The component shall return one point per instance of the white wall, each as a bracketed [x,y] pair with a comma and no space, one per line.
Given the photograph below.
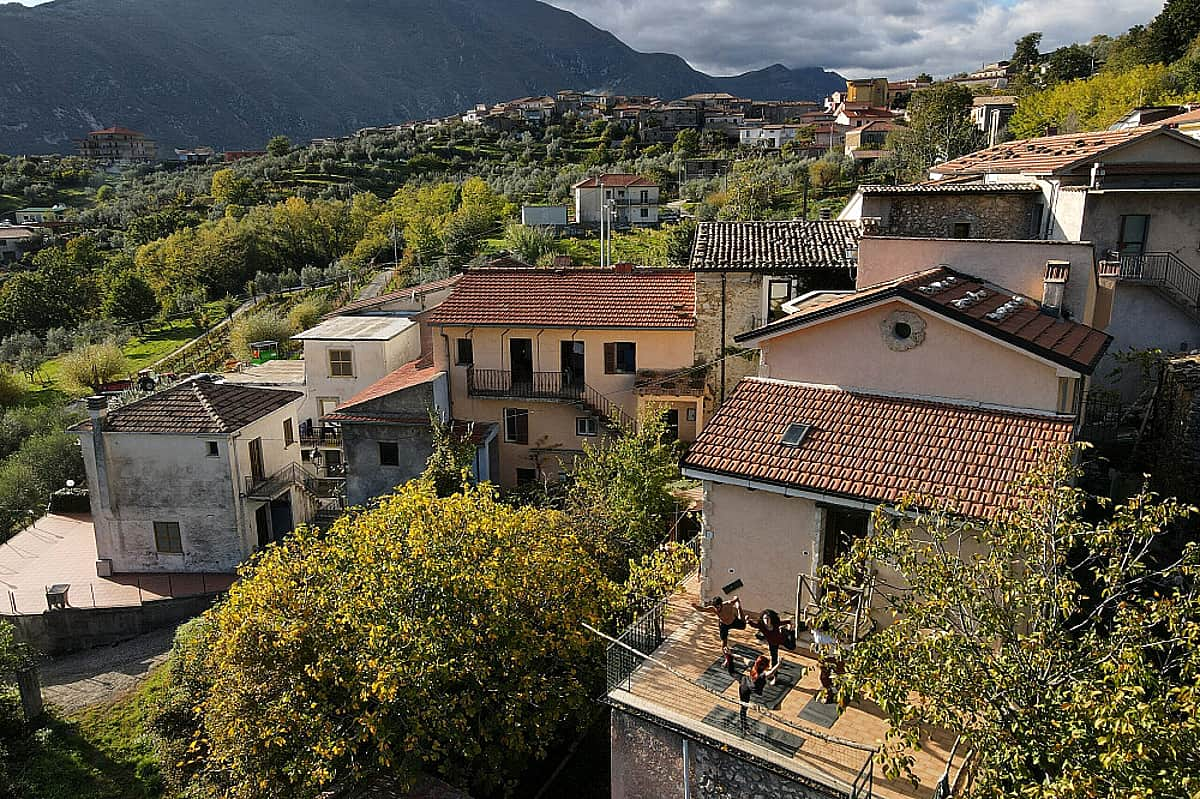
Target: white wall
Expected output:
[373,360]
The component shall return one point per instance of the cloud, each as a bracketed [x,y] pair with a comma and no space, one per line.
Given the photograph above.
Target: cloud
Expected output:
[856,37]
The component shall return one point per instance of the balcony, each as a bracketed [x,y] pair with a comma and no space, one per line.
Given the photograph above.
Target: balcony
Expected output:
[294,474]
[501,384]
[667,667]
[1163,269]
[320,436]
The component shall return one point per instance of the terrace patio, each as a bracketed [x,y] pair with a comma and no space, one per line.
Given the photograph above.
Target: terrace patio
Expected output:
[683,687]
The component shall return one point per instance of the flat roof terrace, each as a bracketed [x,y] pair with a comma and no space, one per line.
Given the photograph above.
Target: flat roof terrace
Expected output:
[683,686]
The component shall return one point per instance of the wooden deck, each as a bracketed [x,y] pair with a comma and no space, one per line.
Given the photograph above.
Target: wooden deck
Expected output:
[672,687]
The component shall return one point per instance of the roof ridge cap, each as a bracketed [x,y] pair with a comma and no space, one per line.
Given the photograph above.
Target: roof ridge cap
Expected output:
[197,389]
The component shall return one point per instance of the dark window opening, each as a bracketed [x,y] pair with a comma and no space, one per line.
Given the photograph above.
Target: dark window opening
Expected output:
[586,426]
[962,230]
[795,434]
[620,358]
[167,539]
[289,433]
[466,352]
[842,527]
[526,476]
[1133,234]
[389,453]
[213,449]
[516,425]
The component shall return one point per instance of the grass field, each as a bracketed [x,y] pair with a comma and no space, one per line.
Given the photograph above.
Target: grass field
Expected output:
[101,753]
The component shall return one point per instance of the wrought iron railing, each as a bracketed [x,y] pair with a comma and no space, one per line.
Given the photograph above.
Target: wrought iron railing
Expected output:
[645,635]
[294,474]
[1104,417]
[864,783]
[329,436]
[1163,268]
[562,386]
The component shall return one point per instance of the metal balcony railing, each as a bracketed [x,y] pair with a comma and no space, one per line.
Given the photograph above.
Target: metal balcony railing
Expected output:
[1160,268]
[559,386]
[294,474]
[326,436]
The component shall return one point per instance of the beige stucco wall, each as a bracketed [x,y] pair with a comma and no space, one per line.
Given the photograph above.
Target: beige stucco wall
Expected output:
[373,360]
[852,352]
[764,539]
[1019,266]
[171,478]
[552,423]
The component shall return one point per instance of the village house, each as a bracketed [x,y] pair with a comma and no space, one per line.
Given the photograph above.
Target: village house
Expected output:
[771,137]
[746,271]
[16,241]
[38,216]
[869,142]
[871,92]
[661,124]
[118,145]
[853,115]
[937,384]
[559,357]
[990,113]
[1187,123]
[630,199]
[195,478]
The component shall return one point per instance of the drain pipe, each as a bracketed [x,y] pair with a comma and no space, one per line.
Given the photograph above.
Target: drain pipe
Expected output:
[687,791]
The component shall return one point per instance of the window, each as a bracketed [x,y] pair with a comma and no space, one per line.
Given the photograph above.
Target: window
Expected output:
[1133,234]
[213,449]
[516,425]
[778,292]
[586,426]
[795,434]
[526,476]
[166,538]
[327,405]
[961,230]
[465,355]
[289,433]
[341,363]
[645,213]
[620,358]
[1038,210]
[645,196]
[389,453]
[1069,395]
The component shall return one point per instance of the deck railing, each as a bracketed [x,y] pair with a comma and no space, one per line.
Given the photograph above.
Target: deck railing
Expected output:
[561,386]
[1162,268]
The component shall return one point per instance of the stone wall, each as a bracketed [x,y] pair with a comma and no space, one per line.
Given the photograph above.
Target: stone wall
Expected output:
[647,763]
[1174,446]
[742,313]
[995,216]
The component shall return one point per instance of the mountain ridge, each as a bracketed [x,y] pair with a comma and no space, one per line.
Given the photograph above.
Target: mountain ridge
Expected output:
[189,74]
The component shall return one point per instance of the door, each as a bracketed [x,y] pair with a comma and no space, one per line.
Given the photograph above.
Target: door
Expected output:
[262,524]
[258,471]
[572,366]
[281,517]
[520,361]
[842,527]
[671,420]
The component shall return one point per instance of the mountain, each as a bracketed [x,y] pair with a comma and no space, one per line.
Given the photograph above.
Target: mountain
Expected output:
[232,73]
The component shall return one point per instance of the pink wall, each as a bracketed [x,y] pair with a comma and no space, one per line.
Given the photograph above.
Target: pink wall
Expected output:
[952,362]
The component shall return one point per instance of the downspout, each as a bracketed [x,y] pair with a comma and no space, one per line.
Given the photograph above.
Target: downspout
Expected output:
[721,351]
[239,497]
[687,791]
[1054,187]
[449,374]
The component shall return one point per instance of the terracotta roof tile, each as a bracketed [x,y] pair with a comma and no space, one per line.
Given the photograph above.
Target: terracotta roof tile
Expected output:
[1047,154]
[392,296]
[196,407]
[990,309]
[766,246]
[951,188]
[1186,118]
[413,373]
[875,448]
[586,297]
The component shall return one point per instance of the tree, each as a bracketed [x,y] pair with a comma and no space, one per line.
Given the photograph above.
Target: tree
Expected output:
[86,369]
[529,243]
[432,634]
[131,300]
[12,389]
[250,328]
[1068,63]
[279,146]
[939,130]
[1173,30]
[1063,651]
[229,188]
[687,142]
[619,492]
[306,314]
[1026,55]
[680,240]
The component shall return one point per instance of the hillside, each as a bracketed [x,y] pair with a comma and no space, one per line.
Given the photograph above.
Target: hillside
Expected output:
[191,73]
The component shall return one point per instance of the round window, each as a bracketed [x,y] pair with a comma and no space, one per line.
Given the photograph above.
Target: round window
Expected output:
[902,330]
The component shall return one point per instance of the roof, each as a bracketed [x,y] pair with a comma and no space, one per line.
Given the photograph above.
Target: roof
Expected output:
[766,246]
[7,232]
[571,298]
[1186,118]
[410,292]
[997,99]
[951,188]
[876,124]
[357,328]
[878,113]
[985,307]
[270,373]
[1050,154]
[875,448]
[116,131]
[614,181]
[413,373]
[196,407]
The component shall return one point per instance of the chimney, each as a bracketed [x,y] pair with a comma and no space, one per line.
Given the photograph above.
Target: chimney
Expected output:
[871,225]
[623,268]
[1054,286]
[97,408]
[1052,130]
[825,214]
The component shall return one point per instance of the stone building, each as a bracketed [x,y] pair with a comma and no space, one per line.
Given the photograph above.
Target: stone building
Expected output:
[972,211]
[1172,444]
[746,272]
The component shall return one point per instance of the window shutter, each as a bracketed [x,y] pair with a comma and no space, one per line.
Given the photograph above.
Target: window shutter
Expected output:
[610,359]
[523,427]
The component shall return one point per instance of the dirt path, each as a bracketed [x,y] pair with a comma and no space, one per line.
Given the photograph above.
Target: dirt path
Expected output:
[74,682]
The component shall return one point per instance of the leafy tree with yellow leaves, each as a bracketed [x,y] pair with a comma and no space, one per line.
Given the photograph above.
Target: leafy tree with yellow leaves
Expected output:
[436,635]
[1064,652]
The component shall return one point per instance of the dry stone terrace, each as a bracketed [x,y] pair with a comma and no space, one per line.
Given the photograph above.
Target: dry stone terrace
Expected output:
[683,688]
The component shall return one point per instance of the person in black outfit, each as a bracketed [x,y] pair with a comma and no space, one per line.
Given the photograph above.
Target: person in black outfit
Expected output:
[774,632]
[754,682]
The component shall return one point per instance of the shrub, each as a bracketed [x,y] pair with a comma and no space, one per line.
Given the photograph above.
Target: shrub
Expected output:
[249,328]
[85,369]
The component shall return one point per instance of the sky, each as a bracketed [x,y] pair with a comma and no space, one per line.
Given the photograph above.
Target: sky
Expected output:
[858,38]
